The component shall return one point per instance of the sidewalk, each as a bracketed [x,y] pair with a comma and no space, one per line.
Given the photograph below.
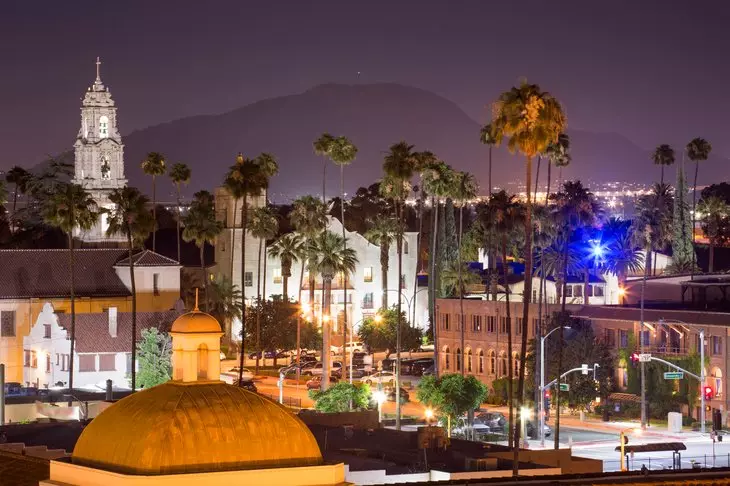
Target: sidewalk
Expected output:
[616,427]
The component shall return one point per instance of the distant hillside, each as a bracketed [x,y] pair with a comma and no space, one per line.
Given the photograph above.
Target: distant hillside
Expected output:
[374,117]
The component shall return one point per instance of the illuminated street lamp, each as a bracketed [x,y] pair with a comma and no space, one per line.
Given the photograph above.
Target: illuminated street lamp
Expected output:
[542,383]
[379,396]
[429,415]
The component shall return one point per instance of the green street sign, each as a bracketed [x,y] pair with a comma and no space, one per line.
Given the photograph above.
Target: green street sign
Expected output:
[564,387]
[673,375]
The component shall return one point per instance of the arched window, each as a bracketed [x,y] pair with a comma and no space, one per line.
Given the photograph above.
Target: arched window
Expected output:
[467,357]
[502,364]
[202,362]
[516,362]
[105,168]
[447,358]
[458,359]
[103,126]
[480,356]
[492,362]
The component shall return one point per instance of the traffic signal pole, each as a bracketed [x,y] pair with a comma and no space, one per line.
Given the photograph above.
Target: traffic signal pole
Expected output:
[702,380]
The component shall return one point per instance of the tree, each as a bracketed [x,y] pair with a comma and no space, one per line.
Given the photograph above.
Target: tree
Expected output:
[69,209]
[322,147]
[247,179]
[155,358]
[623,258]
[289,248]
[342,397]
[277,330]
[153,166]
[180,174]
[129,216]
[225,301]
[531,120]
[452,395]
[697,150]
[557,153]
[714,217]
[662,156]
[309,218]
[683,252]
[489,137]
[381,334]
[20,178]
[264,226]
[202,227]
[382,233]
[456,281]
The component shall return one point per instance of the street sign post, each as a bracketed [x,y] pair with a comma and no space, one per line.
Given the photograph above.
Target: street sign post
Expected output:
[673,375]
[564,387]
[644,357]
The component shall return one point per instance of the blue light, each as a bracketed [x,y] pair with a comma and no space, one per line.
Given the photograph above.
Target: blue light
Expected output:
[597,250]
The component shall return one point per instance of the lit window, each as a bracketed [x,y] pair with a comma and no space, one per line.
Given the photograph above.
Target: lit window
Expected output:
[277,276]
[367,301]
[368,274]
[103,127]
[248,279]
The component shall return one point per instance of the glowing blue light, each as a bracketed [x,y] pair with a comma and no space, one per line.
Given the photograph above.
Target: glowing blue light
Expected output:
[597,250]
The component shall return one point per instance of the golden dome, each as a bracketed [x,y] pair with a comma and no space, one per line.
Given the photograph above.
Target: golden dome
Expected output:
[196,322]
[177,428]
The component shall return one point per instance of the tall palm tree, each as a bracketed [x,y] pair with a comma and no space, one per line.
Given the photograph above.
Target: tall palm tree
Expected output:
[20,177]
[531,119]
[557,153]
[490,137]
[288,248]
[247,179]
[713,213]
[697,150]
[399,165]
[202,227]
[131,217]
[180,174]
[382,233]
[624,258]
[236,190]
[332,259]
[264,226]
[465,189]
[225,301]
[322,147]
[309,218]
[153,166]
[342,152]
[423,161]
[69,209]
[662,156]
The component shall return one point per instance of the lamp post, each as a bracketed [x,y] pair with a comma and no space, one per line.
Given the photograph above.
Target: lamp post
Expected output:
[624,439]
[409,302]
[542,384]
[379,397]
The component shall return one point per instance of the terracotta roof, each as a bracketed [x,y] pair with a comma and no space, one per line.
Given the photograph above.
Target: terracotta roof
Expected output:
[92,330]
[148,258]
[21,470]
[44,273]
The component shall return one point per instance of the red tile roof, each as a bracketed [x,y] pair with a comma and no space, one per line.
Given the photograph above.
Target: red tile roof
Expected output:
[148,258]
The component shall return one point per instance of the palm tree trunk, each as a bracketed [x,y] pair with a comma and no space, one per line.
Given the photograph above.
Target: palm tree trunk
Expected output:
[73,312]
[461,289]
[324,178]
[432,279]
[134,310]
[154,214]
[326,354]
[537,177]
[712,255]
[694,207]
[641,340]
[510,384]
[398,331]
[301,281]
[586,285]
[286,284]
[547,187]
[419,261]
[244,217]
[525,313]
[204,276]
[258,308]
[177,186]
[384,264]
[344,273]
[564,271]
[233,241]
[491,187]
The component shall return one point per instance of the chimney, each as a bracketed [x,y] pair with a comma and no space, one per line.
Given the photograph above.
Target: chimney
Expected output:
[113,322]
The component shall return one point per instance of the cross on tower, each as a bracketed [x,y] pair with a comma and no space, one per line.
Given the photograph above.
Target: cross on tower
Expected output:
[98,75]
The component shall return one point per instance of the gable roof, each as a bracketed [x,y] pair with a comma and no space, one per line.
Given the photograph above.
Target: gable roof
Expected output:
[92,330]
[45,273]
[148,258]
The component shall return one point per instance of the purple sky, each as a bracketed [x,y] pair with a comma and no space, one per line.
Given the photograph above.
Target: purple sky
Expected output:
[654,71]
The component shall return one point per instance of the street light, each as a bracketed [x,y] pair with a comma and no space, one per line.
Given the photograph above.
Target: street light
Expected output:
[542,383]
[624,440]
[429,415]
[379,397]
[377,319]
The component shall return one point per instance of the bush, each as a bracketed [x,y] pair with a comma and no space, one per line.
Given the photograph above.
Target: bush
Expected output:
[338,398]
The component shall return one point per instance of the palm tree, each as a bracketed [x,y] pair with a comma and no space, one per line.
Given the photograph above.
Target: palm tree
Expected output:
[465,189]
[247,179]
[225,301]
[713,213]
[322,147]
[399,165]
[69,209]
[662,156]
[289,248]
[531,119]
[423,161]
[264,226]
[382,233]
[698,149]
[309,218]
[557,153]
[624,258]
[202,227]
[131,217]
[20,177]
[180,174]
[332,259]
[458,280]
[490,137]
[154,165]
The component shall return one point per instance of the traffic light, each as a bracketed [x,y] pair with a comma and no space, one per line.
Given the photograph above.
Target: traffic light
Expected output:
[547,393]
[626,440]
[709,393]
[635,359]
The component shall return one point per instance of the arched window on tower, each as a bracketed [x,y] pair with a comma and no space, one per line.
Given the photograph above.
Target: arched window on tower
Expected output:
[103,126]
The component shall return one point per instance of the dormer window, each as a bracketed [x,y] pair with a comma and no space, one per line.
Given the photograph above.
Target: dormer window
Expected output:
[104,127]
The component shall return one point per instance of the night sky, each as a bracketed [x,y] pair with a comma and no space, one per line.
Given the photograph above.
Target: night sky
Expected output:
[654,71]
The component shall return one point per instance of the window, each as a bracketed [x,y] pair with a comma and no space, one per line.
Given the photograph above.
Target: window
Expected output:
[156,283]
[503,325]
[107,362]
[491,323]
[447,358]
[129,363]
[534,295]
[476,323]
[645,338]
[492,362]
[610,337]
[623,338]
[597,290]
[458,359]
[468,361]
[405,247]
[87,362]
[569,291]
[64,362]
[535,326]
[202,362]
[46,331]
[104,168]
[26,358]
[518,322]
[716,345]
[277,276]
[367,301]
[480,356]
[58,359]
[248,279]
[502,364]
[445,325]
[516,363]
[48,363]
[103,127]
[7,324]
[368,274]
[577,291]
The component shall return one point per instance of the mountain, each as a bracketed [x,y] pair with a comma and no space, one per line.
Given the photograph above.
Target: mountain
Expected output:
[373,116]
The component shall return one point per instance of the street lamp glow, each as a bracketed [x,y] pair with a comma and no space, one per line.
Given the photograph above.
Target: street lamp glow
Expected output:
[325,318]
[379,396]
[526,413]
[621,291]
[306,308]
[378,318]
[429,414]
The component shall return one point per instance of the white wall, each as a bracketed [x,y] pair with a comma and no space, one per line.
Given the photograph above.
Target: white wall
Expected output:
[168,281]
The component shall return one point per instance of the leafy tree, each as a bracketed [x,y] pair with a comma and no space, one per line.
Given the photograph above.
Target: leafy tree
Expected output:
[452,395]
[456,281]
[339,397]
[663,156]
[382,233]
[154,166]
[180,174]
[129,216]
[289,248]
[382,335]
[715,220]
[202,227]
[557,153]
[155,358]
[277,325]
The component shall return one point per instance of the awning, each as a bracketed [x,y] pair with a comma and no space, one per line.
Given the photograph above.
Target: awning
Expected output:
[658,447]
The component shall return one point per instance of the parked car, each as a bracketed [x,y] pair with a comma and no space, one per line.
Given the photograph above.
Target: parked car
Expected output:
[231,375]
[350,347]
[304,358]
[13,389]
[404,396]
[357,373]
[460,427]
[419,366]
[248,385]
[496,421]
[316,368]
[316,382]
[270,354]
[381,377]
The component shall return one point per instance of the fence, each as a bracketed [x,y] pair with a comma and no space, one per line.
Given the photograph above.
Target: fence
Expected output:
[665,463]
[291,402]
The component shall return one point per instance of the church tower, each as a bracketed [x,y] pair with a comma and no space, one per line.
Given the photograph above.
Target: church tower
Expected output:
[99,155]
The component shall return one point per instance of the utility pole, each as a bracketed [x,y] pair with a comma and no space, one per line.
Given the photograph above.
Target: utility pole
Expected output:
[702,380]
[2,394]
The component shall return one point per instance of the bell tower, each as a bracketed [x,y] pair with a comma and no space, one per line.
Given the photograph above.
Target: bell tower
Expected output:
[99,154]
